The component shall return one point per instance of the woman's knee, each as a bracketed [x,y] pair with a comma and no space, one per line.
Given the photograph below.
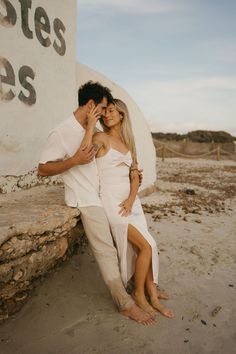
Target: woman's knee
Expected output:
[145,247]
[138,240]
[153,244]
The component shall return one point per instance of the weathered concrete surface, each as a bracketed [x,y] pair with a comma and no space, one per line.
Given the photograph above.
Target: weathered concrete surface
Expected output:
[28,180]
[37,230]
[33,211]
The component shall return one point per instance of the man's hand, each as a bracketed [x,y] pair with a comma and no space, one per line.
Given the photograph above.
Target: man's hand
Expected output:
[83,155]
[140,175]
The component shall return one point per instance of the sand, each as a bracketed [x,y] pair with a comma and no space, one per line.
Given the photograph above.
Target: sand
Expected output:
[193,219]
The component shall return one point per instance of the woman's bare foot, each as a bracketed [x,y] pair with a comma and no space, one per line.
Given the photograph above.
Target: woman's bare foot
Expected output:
[161,308]
[162,294]
[136,314]
[154,291]
[142,302]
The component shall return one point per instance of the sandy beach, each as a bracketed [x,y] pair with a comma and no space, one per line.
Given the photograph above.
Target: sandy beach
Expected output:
[192,217]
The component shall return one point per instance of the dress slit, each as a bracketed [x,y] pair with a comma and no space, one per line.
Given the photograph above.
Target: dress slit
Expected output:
[127,254]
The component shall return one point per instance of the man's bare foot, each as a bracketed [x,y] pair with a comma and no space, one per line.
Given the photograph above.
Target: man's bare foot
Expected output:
[161,308]
[142,302]
[136,314]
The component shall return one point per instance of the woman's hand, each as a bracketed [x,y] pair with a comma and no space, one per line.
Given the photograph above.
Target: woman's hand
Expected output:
[126,207]
[92,117]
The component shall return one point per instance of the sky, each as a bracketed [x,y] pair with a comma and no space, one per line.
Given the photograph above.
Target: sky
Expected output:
[176,58]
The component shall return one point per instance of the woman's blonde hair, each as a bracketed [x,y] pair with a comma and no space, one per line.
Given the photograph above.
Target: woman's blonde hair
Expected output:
[127,135]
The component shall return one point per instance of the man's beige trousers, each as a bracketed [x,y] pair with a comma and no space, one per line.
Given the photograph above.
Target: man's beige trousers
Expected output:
[97,229]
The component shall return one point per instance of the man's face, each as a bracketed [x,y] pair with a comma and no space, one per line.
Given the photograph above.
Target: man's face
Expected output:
[101,107]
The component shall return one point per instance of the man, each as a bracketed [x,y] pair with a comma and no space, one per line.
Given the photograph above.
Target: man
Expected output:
[64,154]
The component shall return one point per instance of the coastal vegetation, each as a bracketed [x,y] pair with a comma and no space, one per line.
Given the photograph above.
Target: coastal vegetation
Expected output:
[201,136]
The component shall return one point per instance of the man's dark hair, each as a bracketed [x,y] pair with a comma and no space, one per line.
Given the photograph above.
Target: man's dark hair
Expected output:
[93,91]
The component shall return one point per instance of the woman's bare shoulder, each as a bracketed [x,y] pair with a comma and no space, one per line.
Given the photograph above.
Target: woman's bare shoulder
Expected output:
[100,137]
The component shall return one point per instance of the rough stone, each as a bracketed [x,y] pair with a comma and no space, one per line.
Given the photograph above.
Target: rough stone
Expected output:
[37,231]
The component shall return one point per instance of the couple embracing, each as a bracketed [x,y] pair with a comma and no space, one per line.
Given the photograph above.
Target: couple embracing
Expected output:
[101,178]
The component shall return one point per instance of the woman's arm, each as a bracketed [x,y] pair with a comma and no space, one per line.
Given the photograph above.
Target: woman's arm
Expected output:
[126,205]
[134,184]
[100,140]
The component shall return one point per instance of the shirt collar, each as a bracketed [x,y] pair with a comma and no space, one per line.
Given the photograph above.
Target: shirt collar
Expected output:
[76,124]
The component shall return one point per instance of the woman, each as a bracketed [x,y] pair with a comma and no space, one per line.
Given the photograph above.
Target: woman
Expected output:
[119,182]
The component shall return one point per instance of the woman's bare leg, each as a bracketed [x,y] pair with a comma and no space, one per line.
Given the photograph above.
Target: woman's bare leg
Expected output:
[143,261]
[153,293]
[154,288]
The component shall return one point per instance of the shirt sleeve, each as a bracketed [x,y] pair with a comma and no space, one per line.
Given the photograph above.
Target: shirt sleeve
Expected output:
[53,150]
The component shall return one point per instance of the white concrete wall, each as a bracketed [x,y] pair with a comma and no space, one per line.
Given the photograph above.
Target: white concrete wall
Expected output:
[39,79]
[27,47]
[144,143]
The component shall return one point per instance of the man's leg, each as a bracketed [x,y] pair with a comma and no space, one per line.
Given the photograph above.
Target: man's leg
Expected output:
[97,229]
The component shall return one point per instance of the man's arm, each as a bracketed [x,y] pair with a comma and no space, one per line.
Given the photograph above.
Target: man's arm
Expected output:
[81,157]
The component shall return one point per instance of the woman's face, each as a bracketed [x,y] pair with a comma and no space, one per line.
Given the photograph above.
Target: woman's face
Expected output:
[112,116]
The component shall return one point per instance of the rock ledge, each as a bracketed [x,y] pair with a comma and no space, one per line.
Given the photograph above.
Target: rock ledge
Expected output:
[37,231]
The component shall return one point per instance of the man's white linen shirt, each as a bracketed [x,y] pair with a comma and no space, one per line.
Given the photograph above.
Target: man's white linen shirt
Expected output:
[81,181]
